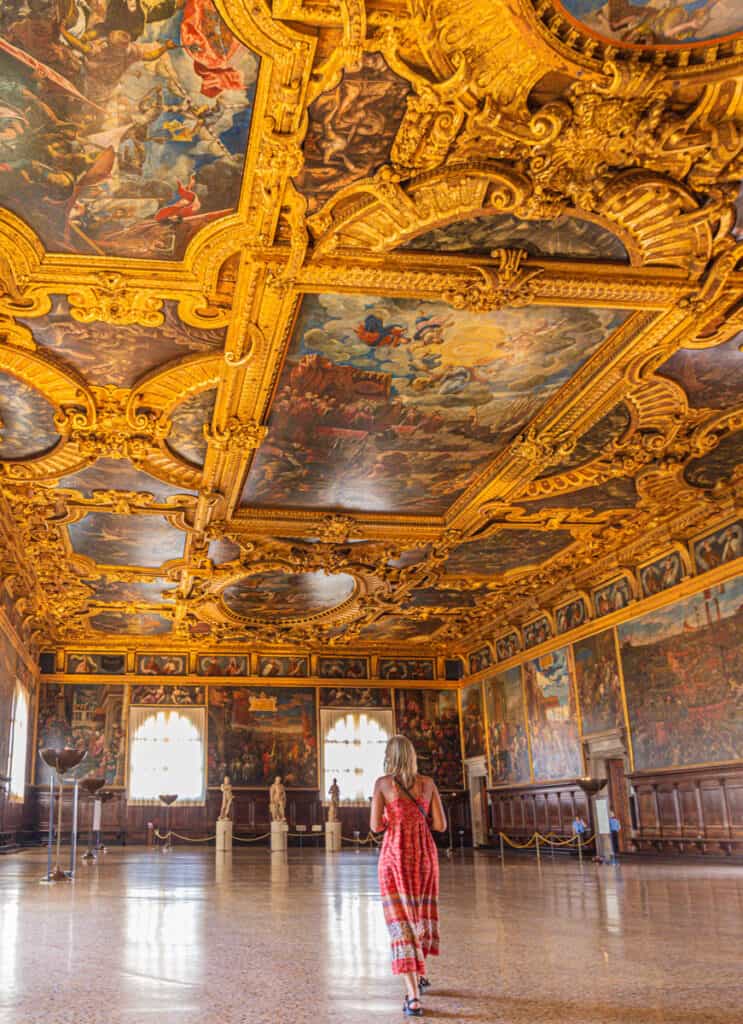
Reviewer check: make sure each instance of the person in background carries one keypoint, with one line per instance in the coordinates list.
(579, 829)
(614, 827)
(408, 869)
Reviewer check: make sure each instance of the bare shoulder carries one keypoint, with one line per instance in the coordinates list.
(427, 783)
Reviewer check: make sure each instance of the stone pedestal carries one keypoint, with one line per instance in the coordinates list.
(279, 833)
(224, 834)
(332, 836)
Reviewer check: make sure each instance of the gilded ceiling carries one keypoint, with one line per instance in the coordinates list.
(397, 324)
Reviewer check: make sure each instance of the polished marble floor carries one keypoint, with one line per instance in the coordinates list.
(181, 938)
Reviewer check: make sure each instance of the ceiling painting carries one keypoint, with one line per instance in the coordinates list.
(717, 465)
(186, 437)
(134, 624)
(223, 550)
(595, 441)
(568, 237)
(277, 595)
(110, 539)
(118, 475)
(618, 492)
(127, 123)
(506, 550)
(26, 420)
(711, 377)
(440, 597)
(393, 404)
(118, 353)
(398, 627)
(131, 591)
(351, 129)
(661, 23)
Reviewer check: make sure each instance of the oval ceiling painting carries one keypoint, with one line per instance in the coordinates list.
(658, 23)
(279, 595)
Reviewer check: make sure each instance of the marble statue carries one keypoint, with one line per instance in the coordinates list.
(277, 798)
(225, 811)
(335, 797)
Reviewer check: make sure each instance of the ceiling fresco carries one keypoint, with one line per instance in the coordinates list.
(395, 405)
(125, 124)
(322, 345)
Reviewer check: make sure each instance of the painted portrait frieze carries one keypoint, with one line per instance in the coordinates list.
(127, 122)
(612, 597)
(537, 632)
(507, 740)
(96, 664)
(222, 665)
(343, 668)
(394, 405)
(286, 666)
(406, 668)
(661, 574)
(724, 545)
(664, 23)
(161, 665)
(278, 595)
(480, 659)
(356, 697)
(507, 646)
(711, 377)
(568, 237)
(27, 420)
(571, 615)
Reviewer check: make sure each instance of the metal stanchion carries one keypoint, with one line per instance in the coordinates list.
(357, 836)
(552, 851)
(580, 849)
(73, 833)
(50, 843)
(536, 847)
(502, 850)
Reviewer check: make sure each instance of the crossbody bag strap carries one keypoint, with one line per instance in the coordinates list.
(410, 796)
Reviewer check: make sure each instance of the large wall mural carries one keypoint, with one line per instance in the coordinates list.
(473, 721)
(597, 679)
(430, 719)
(553, 725)
(256, 734)
(683, 675)
(127, 122)
(391, 404)
(663, 23)
(89, 718)
(508, 744)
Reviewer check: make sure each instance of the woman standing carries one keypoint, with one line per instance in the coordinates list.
(408, 865)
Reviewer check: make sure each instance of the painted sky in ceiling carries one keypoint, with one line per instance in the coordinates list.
(661, 23)
(278, 595)
(393, 405)
(26, 420)
(111, 539)
(711, 377)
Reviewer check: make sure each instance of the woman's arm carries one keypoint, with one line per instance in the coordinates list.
(377, 808)
(438, 818)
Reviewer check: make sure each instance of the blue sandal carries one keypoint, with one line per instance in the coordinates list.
(423, 983)
(410, 1010)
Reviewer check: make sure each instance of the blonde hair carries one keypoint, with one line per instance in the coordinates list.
(400, 760)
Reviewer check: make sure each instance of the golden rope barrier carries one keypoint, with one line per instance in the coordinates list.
(251, 839)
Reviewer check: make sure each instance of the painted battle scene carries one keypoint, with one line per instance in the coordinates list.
(711, 377)
(724, 545)
(286, 666)
(473, 721)
(569, 237)
(664, 22)
(257, 734)
(596, 440)
(507, 646)
(96, 664)
(119, 475)
(356, 697)
(162, 665)
(661, 574)
(683, 676)
(177, 694)
(186, 437)
(280, 595)
(617, 492)
(553, 724)
(89, 718)
(110, 539)
(222, 665)
(131, 623)
(343, 668)
(406, 668)
(597, 679)
(613, 597)
(125, 122)
(27, 418)
(717, 465)
(536, 632)
(351, 129)
(430, 719)
(506, 550)
(571, 615)
(480, 660)
(393, 405)
(117, 353)
(507, 740)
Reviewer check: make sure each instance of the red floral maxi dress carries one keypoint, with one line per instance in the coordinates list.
(409, 882)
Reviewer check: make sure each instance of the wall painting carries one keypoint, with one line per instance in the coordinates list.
(724, 545)
(176, 694)
(406, 668)
(480, 660)
(661, 574)
(222, 665)
(507, 646)
(571, 615)
(343, 668)
(553, 725)
(356, 697)
(162, 664)
(473, 721)
(430, 719)
(536, 632)
(89, 718)
(96, 664)
(612, 597)
(507, 740)
(288, 666)
(597, 679)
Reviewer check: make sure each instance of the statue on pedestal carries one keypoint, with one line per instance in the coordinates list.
(225, 811)
(277, 798)
(335, 798)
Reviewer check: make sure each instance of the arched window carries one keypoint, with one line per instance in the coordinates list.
(353, 750)
(166, 754)
(18, 744)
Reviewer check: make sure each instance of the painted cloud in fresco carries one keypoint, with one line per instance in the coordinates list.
(394, 404)
(149, 591)
(278, 595)
(132, 135)
(664, 22)
(711, 377)
(118, 475)
(111, 539)
(186, 436)
(26, 420)
(115, 354)
(138, 624)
